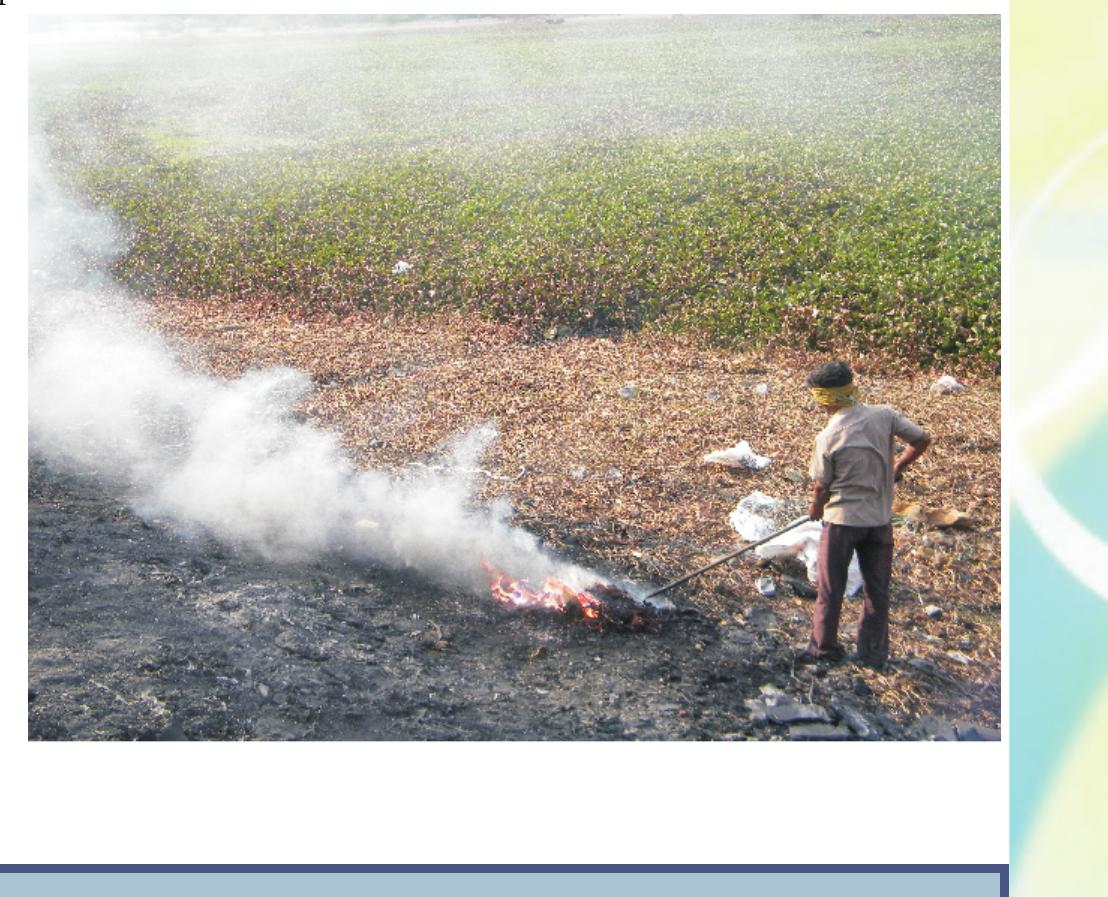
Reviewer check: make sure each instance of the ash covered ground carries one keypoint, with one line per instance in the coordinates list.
(138, 633)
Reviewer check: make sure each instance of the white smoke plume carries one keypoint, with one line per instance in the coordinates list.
(108, 398)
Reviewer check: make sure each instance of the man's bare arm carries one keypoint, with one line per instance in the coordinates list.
(821, 495)
(910, 454)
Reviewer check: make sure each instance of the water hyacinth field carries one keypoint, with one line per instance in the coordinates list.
(817, 182)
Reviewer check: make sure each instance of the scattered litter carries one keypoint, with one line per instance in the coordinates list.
(739, 455)
(766, 586)
(801, 589)
(947, 386)
(802, 543)
(401, 266)
(959, 657)
(939, 518)
(933, 611)
(944, 518)
(629, 391)
(910, 511)
(753, 517)
(762, 389)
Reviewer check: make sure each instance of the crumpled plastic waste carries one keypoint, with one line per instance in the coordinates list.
(937, 518)
(739, 455)
(946, 386)
(401, 266)
(757, 516)
(943, 518)
(754, 516)
(802, 543)
(761, 389)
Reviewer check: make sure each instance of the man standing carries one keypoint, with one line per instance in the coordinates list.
(852, 473)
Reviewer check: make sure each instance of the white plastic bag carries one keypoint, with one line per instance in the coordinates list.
(802, 543)
(947, 386)
(739, 455)
(754, 516)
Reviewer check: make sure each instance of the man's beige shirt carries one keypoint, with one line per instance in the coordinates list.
(854, 457)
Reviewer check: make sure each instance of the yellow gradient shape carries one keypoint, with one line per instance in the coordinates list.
(1067, 855)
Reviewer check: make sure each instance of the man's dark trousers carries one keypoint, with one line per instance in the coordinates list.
(874, 545)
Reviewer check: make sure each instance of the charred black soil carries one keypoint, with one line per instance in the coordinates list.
(136, 633)
(139, 633)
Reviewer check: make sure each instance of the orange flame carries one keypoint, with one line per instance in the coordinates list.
(554, 594)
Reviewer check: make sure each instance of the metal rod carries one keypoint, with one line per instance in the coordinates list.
(726, 558)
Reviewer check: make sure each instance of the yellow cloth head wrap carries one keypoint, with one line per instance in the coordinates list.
(836, 396)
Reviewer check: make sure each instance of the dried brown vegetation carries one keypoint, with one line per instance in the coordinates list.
(619, 482)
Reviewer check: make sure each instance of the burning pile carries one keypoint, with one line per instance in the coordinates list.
(601, 605)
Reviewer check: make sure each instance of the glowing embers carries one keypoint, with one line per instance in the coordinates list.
(601, 605)
(554, 595)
